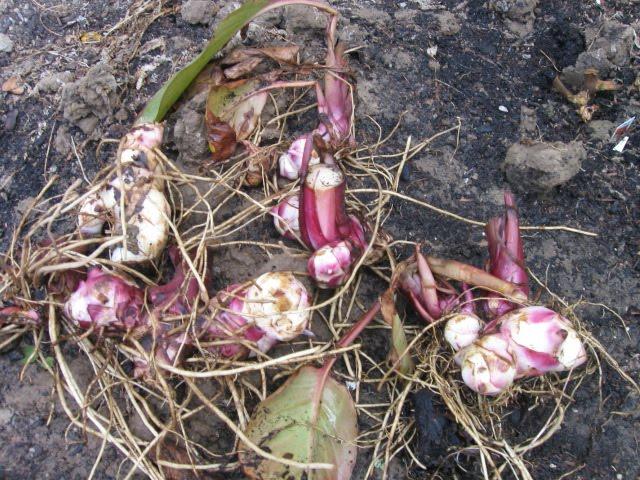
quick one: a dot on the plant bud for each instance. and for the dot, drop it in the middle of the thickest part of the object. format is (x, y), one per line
(487, 367)
(286, 217)
(330, 265)
(92, 215)
(278, 303)
(462, 330)
(506, 256)
(323, 218)
(147, 226)
(104, 301)
(335, 100)
(541, 341)
(290, 162)
(147, 135)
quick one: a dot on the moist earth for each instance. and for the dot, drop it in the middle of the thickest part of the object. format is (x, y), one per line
(490, 74)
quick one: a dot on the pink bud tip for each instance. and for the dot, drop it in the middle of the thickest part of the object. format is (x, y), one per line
(147, 135)
(290, 162)
(335, 101)
(323, 218)
(541, 341)
(176, 296)
(330, 265)
(506, 255)
(487, 366)
(462, 330)
(105, 301)
(286, 216)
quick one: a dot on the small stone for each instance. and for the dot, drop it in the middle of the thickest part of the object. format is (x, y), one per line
(609, 47)
(122, 115)
(189, 133)
(53, 82)
(447, 23)
(24, 205)
(528, 122)
(372, 15)
(519, 15)
(5, 416)
(91, 98)
(542, 166)
(6, 45)
(434, 65)
(503, 109)
(179, 45)
(87, 124)
(198, 11)
(62, 141)
(300, 19)
(10, 120)
(600, 130)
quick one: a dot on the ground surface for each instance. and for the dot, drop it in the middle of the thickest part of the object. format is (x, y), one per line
(480, 65)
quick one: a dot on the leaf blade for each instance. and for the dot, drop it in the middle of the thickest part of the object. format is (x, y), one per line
(311, 418)
(156, 109)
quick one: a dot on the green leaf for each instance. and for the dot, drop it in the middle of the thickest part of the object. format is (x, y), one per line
(310, 419)
(163, 100)
(28, 354)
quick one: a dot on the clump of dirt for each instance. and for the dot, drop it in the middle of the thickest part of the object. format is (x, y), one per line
(519, 14)
(542, 166)
(52, 82)
(610, 46)
(198, 11)
(189, 134)
(90, 99)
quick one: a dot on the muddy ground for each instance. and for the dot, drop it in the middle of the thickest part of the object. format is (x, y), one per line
(492, 59)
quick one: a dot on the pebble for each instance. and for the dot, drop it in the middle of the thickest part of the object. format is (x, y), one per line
(542, 166)
(10, 120)
(504, 109)
(198, 11)
(5, 416)
(6, 44)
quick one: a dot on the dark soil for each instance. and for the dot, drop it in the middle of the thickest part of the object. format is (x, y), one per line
(479, 68)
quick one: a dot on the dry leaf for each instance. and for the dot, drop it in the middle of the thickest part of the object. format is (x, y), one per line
(90, 37)
(12, 86)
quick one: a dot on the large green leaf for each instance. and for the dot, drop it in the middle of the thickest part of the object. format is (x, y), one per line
(163, 100)
(310, 419)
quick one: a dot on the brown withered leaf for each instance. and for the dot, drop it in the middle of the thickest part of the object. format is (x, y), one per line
(245, 60)
(242, 68)
(171, 452)
(13, 86)
(90, 37)
(593, 84)
(221, 137)
(238, 103)
(211, 76)
(279, 53)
